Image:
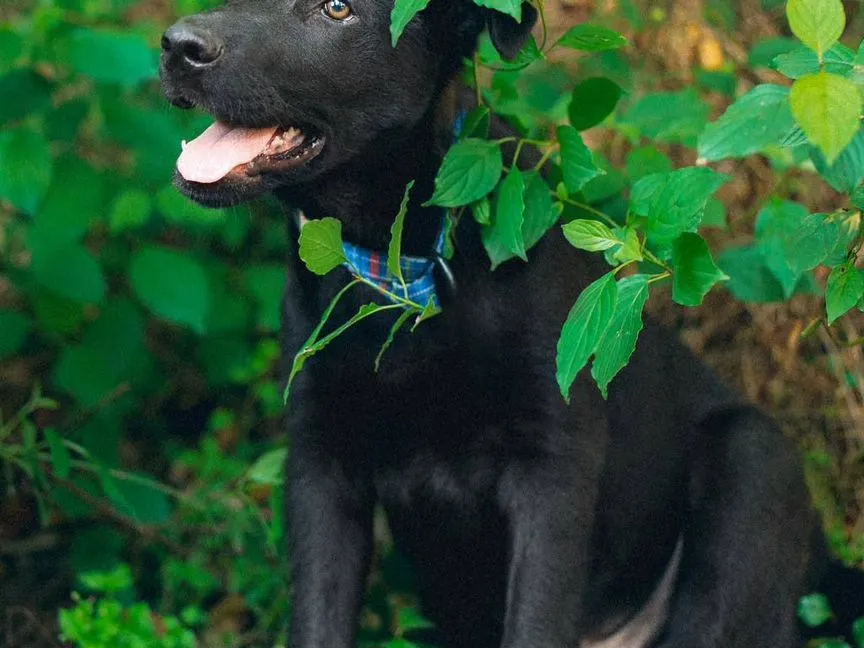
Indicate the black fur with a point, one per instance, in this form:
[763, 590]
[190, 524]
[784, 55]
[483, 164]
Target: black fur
[530, 523]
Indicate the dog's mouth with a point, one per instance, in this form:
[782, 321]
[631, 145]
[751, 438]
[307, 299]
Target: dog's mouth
[228, 152]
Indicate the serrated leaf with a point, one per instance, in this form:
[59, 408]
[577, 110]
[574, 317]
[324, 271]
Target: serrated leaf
[827, 107]
[592, 101]
[773, 224]
[816, 239]
[504, 239]
[674, 202]
[618, 343]
[577, 162]
[645, 161]
[591, 38]
[589, 235]
[631, 249]
[814, 610]
[694, 271]
[269, 468]
[402, 14]
[817, 23]
[540, 212]
[759, 119]
[321, 245]
[847, 172]
[172, 284]
[394, 251]
[668, 116]
[470, 170]
[584, 328]
[843, 291]
[60, 458]
[391, 335]
[803, 61]
[512, 8]
[750, 280]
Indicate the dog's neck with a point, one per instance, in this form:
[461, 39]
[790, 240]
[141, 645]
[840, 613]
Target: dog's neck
[365, 194]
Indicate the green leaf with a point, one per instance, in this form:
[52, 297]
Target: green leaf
[668, 116]
[504, 239]
[631, 249]
[674, 202]
[27, 166]
[172, 284]
[759, 119]
[24, 93]
[775, 221]
[577, 162]
[397, 326]
[715, 215]
[321, 245]
[817, 23]
[70, 271]
[847, 172]
[750, 279]
[814, 610]
[402, 14]
[110, 56]
[470, 170]
[844, 289]
[60, 458]
[141, 499]
[540, 212]
[584, 328]
[476, 124]
[15, 328]
[592, 101]
[618, 343]
[591, 38]
[394, 251]
[804, 61]
[590, 235]
[130, 210]
[482, 211]
[269, 468]
[858, 632]
[694, 271]
[266, 284]
[857, 197]
[645, 161]
[827, 107]
[817, 238]
[510, 7]
[490, 57]
[765, 51]
[74, 202]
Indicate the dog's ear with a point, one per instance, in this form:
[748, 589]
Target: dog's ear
[508, 36]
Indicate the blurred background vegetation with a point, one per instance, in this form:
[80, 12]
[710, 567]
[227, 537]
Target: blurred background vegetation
[140, 445]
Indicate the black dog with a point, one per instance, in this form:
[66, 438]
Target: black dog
[670, 515]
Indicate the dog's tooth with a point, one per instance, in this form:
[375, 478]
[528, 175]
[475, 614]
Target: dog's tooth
[182, 145]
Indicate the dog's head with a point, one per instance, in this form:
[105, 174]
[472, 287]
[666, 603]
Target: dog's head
[299, 88]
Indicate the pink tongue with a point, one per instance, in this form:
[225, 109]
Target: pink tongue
[220, 148]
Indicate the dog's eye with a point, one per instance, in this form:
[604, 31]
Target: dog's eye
[337, 9]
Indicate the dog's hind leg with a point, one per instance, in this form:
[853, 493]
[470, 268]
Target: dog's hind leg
[746, 541]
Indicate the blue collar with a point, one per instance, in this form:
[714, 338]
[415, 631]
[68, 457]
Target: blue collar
[418, 272]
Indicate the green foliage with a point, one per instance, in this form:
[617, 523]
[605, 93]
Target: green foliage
[141, 309]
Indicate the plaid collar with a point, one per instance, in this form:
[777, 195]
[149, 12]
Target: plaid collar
[418, 272]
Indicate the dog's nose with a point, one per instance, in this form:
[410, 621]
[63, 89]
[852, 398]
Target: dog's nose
[193, 45]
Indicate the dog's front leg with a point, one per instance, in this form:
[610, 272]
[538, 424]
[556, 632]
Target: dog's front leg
[550, 511]
[330, 533]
